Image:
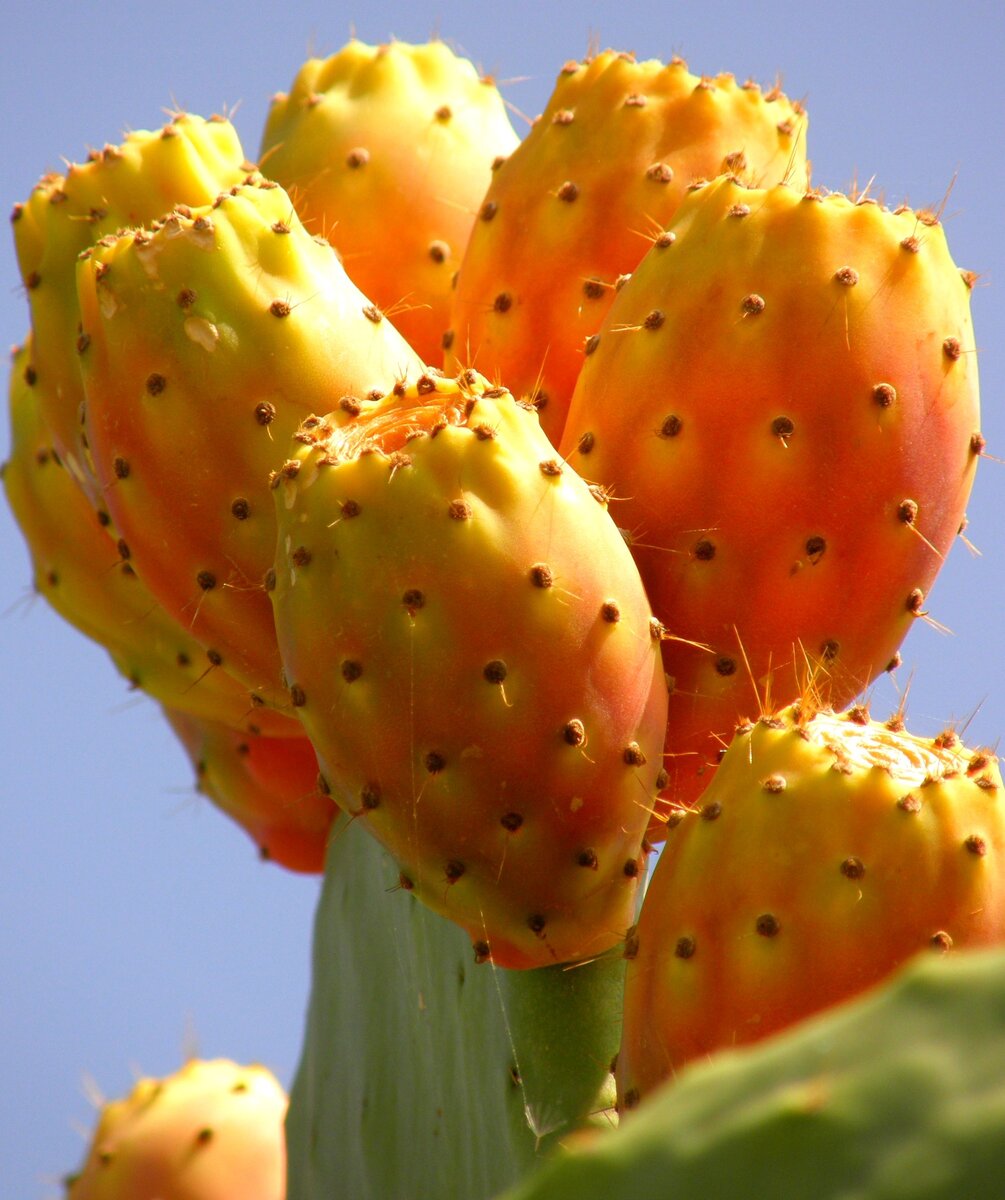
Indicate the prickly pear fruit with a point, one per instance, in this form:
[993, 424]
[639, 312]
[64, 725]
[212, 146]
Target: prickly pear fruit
[784, 400]
[599, 175]
[211, 1131]
[188, 161]
[469, 648]
[897, 1096]
[88, 578]
[827, 850]
[206, 341]
[268, 785]
[387, 151]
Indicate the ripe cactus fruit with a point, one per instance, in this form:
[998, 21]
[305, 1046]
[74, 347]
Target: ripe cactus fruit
[470, 649]
[211, 1131]
[268, 785]
[208, 339]
[188, 161]
[387, 151]
[602, 171]
[828, 849]
[784, 400]
[89, 579]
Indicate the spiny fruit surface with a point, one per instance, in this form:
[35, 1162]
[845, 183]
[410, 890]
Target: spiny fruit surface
[211, 1131]
[387, 151]
[88, 577]
[470, 649]
[573, 210]
[784, 402]
[188, 161]
[827, 850]
[268, 785]
[207, 340]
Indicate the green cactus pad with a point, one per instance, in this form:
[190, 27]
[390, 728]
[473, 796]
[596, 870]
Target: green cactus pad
[900, 1096]
[423, 1074]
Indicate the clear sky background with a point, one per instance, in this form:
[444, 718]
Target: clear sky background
[135, 922]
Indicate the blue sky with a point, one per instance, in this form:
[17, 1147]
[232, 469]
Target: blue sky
[135, 922]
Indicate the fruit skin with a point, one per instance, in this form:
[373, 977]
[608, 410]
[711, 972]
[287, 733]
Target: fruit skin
[209, 338]
[827, 850]
[784, 402]
[469, 648]
[187, 161]
[88, 577]
[600, 173]
[211, 1131]
[268, 785]
[387, 151]
[897, 1096]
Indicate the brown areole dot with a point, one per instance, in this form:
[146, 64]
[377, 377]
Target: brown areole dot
[907, 511]
[815, 547]
[914, 601]
[591, 344]
[269, 580]
[633, 755]
[155, 384]
[858, 715]
[767, 925]
[952, 348]
[774, 785]
[724, 665]
[671, 426]
[495, 671]
[511, 821]
[459, 510]
[976, 845]
[704, 550]
[541, 575]
[265, 413]
[884, 394]
[853, 868]
[454, 870]
[660, 172]
[370, 795]
[568, 192]
[783, 427]
[587, 858]
[351, 670]
[413, 600]
[664, 239]
[593, 289]
[586, 443]
[610, 612]
[280, 308]
[711, 812]
[574, 733]
[909, 803]
[439, 251]
[240, 509]
[447, 340]
[503, 302]
[373, 313]
[894, 662]
[631, 869]
[357, 158]
[941, 941]
[685, 947]
[298, 697]
[404, 882]
[630, 1098]
[482, 951]
[206, 580]
[550, 467]
[536, 924]
[350, 508]
[631, 943]
[434, 762]
[121, 467]
[752, 304]
[846, 276]
[739, 210]
[978, 444]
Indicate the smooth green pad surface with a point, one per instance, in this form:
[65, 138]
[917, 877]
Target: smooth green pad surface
[899, 1096]
[406, 1088]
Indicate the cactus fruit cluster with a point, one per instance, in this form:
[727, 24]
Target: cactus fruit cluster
[481, 514]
